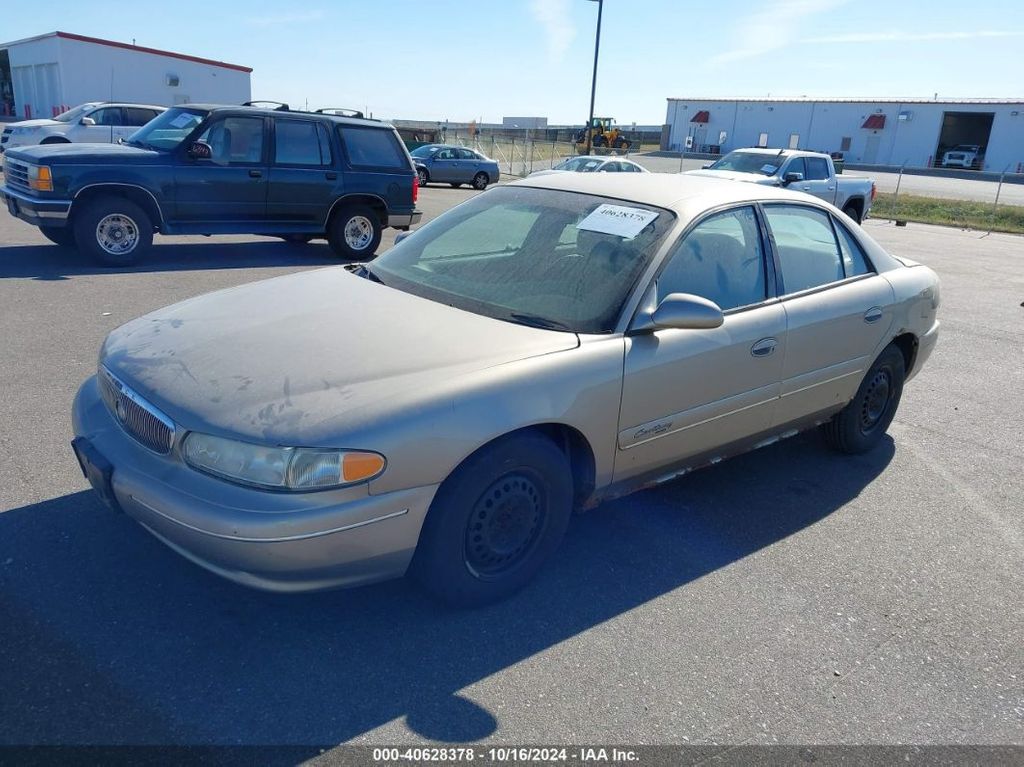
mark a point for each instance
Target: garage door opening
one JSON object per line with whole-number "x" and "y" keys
{"x": 963, "y": 140}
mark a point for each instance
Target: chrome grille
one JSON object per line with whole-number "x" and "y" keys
{"x": 16, "y": 173}
{"x": 143, "y": 422}
{"x": 6, "y": 135}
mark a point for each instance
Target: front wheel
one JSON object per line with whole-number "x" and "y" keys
{"x": 481, "y": 180}
{"x": 355, "y": 232}
{"x": 859, "y": 426}
{"x": 495, "y": 521}
{"x": 113, "y": 230}
{"x": 59, "y": 235}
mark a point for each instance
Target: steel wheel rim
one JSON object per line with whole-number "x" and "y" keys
{"x": 117, "y": 234}
{"x": 505, "y": 525}
{"x": 875, "y": 401}
{"x": 358, "y": 232}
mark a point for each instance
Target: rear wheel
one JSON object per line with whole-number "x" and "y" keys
{"x": 113, "y": 230}
{"x": 354, "y": 232}
{"x": 424, "y": 178}
{"x": 59, "y": 235}
{"x": 860, "y": 425}
{"x": 495, "y": 521}
{"x": 481, "y": 180}
{"x": 853, "y": 212}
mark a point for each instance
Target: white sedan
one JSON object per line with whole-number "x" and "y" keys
{"x": 593, "y": 164}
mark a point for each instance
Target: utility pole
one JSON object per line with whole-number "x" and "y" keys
{"x": 593, "y": 81}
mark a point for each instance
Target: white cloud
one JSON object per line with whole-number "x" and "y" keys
{"x": 556, "y": 21}
{"x": 773, "y": 27}
{"x": 900, "y": 37}
{"x": 285, "y": 18}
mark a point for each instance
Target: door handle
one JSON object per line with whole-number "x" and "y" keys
{"x": 331, "y": 176}
{"x": 764, "y": 348}
{"x": 255, "y": 173}
{"x": 874, "y": 314}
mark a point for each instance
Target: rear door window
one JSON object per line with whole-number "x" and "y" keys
{"x": 372, "y": 148}
{"x": 296, "y": 143}
{"x": 805, "y": 245}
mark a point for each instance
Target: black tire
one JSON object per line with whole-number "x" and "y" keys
{"x": 859, "y": 426}
{"x": 123, "y": 221}
{"x": 54, "y": 140}
{"x": 354, "y": 232}
{"x": 853, "y": 212}
{"x": 423, "y": 176}
{"x": 59, "y": 235}
{"x": 495, "y": 521}
{"x": 297, "y": 239}
{"x": 481, "y": 180}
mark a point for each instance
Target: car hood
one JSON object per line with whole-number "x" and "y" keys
{"x": 302, "y": 358}
{"x": 732, "y": 175}
{"x": 42, "y": 122}
{"x": 70, "y": 154}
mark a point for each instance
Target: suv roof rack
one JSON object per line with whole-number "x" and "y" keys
{"x": 278, "y": 106}
{"x": 340, "y": 111}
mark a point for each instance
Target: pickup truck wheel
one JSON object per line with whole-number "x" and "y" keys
{"x": 481, "y": 180}
{"x": 424, "y": 178}
{"x": 59, "y": 235}
{"x": 859, "y": 426}
{"x": 354, "y": 232}
{"x": 853, "y": 212}
{"x": 495, "y": 521}
{"x": 113, "y": 230}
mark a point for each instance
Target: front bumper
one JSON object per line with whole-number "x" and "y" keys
{"x": 37, "y": 211}
{"x": 404, "y": 220}
{"x": 268, "y": 540}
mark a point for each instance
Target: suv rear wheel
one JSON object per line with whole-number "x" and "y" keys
{"x": 113, "y": 230}
{"x": 354, "y": 232}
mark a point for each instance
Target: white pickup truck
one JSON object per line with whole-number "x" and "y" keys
{"x": 810, "y": 172}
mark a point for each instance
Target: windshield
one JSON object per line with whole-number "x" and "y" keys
{"x": 72, "y": 115}
{"x": 532, "y": 256}
{"x": 167, "y": 130}
{"x": 750, "y": 162}
{"x": 580, "y": 164}
{"x": 424, "y": 151}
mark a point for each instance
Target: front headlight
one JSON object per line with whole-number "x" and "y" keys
{"x": 280, "y": 468}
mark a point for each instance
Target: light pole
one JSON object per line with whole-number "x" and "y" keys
{"x": 593, "y": 81}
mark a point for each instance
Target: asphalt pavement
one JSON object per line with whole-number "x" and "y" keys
{"x": 790, "y": 595}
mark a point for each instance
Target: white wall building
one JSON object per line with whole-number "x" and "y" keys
{"x": 914, "y": 132}
{"x": 42, "y": 76}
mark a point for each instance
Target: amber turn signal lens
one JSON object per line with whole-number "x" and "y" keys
{"x": 359, "y": 466}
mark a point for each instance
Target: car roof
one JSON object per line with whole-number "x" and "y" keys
{"x": 687, "y": 195}
{"x": 242, "y": 109}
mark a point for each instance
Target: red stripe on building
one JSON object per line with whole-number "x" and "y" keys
{"x": 156, "y": 51}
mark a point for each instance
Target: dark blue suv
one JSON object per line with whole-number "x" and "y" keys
{"x": 199, "y": 169}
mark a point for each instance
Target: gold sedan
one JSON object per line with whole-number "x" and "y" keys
{"x": 548, "y": 344}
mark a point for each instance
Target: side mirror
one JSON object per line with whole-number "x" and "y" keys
{"x": 706, "y": 165}
{"x": 86, "y": 121}
{"x": 687, "y": 312}
{"x": 200, "y": 150}
{"x": 792, "y": 178}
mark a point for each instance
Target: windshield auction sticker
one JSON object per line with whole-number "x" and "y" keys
{"x": 619, "y": 220}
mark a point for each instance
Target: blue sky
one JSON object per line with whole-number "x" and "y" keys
{"x": 472, "y": 59}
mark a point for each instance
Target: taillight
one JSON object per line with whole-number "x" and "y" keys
{"x": 416, "y": 188}
{"x": 874, "y": 191}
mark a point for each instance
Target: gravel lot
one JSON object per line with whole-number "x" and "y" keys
{"x": 790, "y": 595}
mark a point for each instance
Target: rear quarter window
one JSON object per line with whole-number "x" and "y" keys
{"x": 372, "y": 148}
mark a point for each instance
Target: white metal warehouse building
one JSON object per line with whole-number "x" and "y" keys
{"x": 911, "y": 132}
{"x": 45, "y": 75}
